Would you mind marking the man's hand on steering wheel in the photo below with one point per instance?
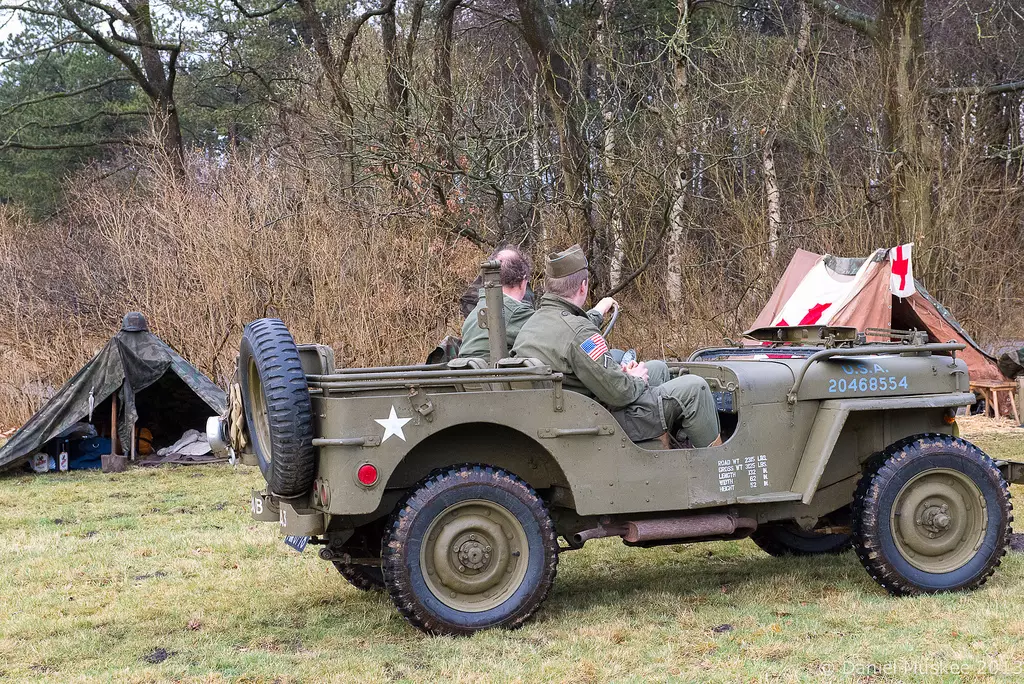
(605, 305)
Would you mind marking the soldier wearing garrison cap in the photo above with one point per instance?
(515, 274)
(645, 400)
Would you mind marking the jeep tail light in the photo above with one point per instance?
(367, 474)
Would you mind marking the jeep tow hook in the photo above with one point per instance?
(346, 559)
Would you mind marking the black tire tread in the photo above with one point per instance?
(360, 576)
(766, 537)
(398, 587)
(289, 410)
(869, 489)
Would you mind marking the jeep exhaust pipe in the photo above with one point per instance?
(599, 532)
(662, 529)
(712, 525)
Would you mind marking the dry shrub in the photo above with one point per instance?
(201, 258)
(378, 276)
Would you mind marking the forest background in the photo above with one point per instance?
(346, 165)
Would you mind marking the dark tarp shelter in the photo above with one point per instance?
(1011, 363)
(154, 386)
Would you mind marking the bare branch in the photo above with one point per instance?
(56, 96)
(997, 89)
(257, 14)
(647, 262)
(860, 22)
(113, 114)
(135, 42)
(106, 9)
(70, 15)
(14, 145)
(350, 37)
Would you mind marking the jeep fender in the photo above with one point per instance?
(832, 418)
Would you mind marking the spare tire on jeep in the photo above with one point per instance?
(278, 412)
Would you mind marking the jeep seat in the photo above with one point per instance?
(471, 363)
(525, 362)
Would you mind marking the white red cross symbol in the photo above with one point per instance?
(900, 267)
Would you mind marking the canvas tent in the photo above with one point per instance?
(829, 290)
(154, 386)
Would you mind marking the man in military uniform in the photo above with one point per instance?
(514, 276)
(642, 397)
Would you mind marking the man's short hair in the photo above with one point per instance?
(515, 266)
(568, 286)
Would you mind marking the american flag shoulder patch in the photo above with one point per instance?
(594, 346)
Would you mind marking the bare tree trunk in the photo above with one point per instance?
(397, 70)
(771, 179)
(898, 37)
(677, 232)
(169, 126)
(335, 64)
(539, 195)
(393, 72)
(443, 30)
(613, 236)
(900, 42)
(556, 76)
(159, 84)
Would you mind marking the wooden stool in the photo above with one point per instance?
(990, 390)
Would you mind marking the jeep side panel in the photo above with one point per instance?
(581, 448)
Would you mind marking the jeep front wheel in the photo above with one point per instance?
(473, 547)
(934, 517)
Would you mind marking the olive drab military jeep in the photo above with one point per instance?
(451, 484)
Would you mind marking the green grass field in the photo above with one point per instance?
(99, 572)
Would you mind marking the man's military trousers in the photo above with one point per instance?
(684, 403)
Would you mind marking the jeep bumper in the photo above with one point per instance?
(294, 519)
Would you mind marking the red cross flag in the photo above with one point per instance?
(820, 295)
(901, 283)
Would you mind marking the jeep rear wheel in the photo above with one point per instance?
(278, 412)
(366, 542)
(934, 517)
(473, 547)
(362, 577)
(789, 539)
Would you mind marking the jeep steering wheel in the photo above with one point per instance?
(611, 323)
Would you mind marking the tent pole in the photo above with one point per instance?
(113, 423)
(134, 440)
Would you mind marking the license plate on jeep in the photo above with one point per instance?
(297, 543)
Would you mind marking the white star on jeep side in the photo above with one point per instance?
(392, 425)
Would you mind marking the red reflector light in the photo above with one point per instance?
(367, 474)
